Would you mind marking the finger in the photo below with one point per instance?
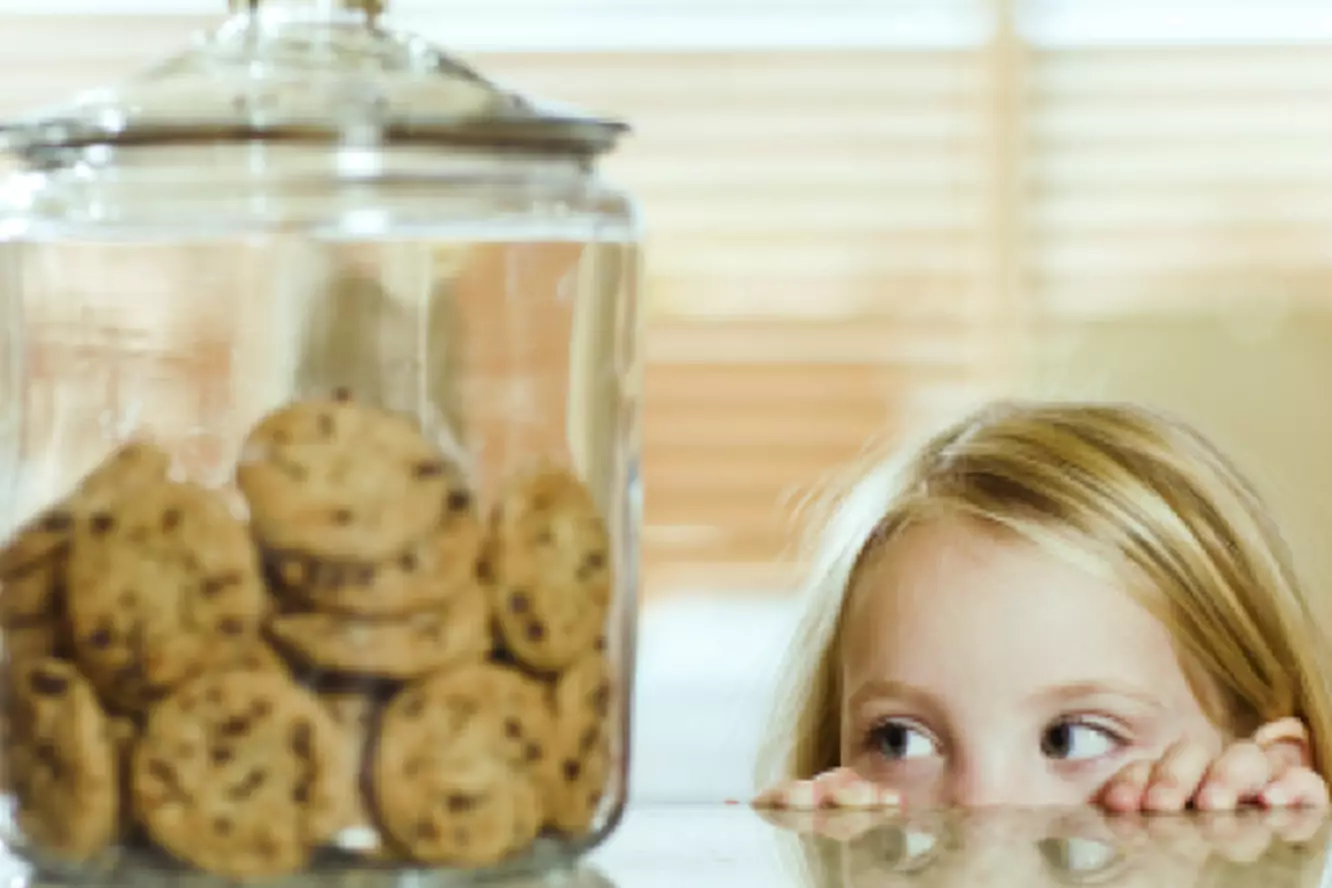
(1295, 788)
(844, 788)
(1176, 776)
(1125, 790)
(1239, 775)
(796, 795)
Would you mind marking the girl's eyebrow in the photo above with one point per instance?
(1083, 690)
(876, 688)
(1071, 692)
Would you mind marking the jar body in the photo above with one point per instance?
(214, 301)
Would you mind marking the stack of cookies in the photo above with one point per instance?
(345, 654)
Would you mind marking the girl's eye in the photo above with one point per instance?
(902, 740)
(1075, 741)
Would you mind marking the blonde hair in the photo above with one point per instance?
(1134, 495)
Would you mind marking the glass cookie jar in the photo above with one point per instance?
(318, 463)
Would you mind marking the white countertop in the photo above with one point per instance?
(684, 846)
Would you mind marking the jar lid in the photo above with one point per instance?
(313, 71)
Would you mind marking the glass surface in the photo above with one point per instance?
(319, 481)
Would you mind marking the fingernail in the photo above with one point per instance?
(800, 796)
(1216, 799)
(1163, 797)
(857, 795)
(1121, 797)
(886, 798)
(1276, 797)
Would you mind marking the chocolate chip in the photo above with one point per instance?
(459, 804)
(301, 739)
(600, 644)
(326, 426)
(413, 706)
(592, 564)
(518, 602)
(532, 752)
(100, 638)
(408, 562)
(236, 726)
(429, 469)
(57, 522)
(364, 575)
(46, 754)
(248, 786)
(535, 631)
(571, 770)
(213, 585)
(332, 576)
(222, 826)
(588, 741)
(102, 523)
(301, 793)
(342, 394)
(426, 829)
(543, 537)
(48, 684)
(163, 772)
(458, 501)
(232, 626)
(220, 755)
(342, 517)
(171, 520)
(512, 729)
(601, 698)
(261, 708)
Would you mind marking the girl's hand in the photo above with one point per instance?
(839, 788)
(1270, 769)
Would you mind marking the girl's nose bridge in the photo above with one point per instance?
(984, 778)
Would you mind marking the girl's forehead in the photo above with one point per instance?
(954, 598)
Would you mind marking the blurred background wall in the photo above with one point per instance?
(866, 215)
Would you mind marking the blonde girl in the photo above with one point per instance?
(1055, 604)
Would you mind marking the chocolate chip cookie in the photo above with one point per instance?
(525, 709)
(456, 631)
(421, 576)
(548, 563)
(242, 774)
(32, 563)
(60, 761)
(443, 788)
(582, 740)
(161, 587)
(344, 480)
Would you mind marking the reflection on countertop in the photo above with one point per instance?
(707, 846)
(711, 846)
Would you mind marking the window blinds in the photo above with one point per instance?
(863, 216)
